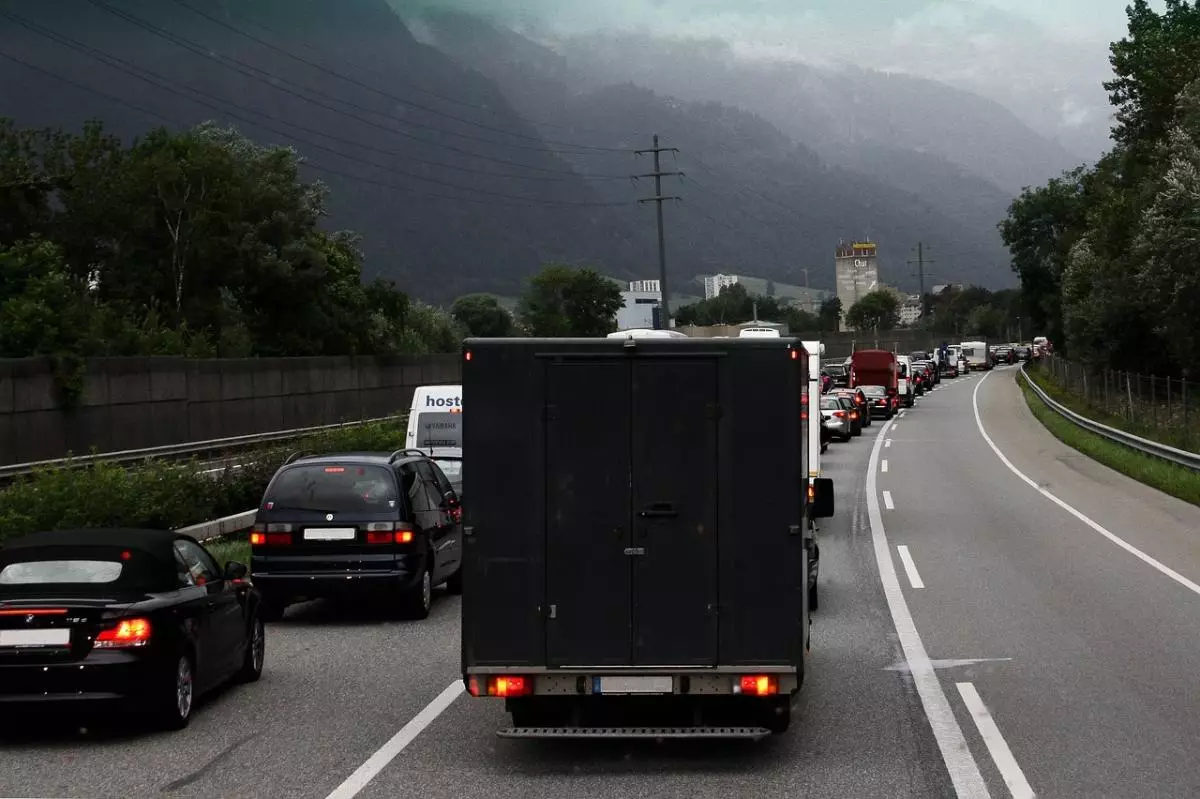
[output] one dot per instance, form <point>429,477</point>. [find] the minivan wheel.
<point>419,600</point>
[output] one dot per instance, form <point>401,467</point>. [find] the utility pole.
<point>920,262</point>
<point>659,199</point>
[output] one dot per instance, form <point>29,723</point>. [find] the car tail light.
<point>853,415</point>
<point>839,414</point>
<point>272,535</point>
<point>389,533</point>
<point>500,685</point>
<point>127,633</point>
<point>757,685</point>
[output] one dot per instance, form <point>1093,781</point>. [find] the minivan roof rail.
<point>295,456</point>
<point>405,453</point>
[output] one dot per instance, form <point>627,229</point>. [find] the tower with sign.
<point>856,269</point>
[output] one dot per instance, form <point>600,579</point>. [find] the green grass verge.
<point>1178,481</point>
<point>167,494</point>
<point>231,548</point>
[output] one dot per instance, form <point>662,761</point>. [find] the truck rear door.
<point>631,569</point>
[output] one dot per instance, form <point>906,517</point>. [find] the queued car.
<point>388,526</point>
<point>145,620</point>
<point>838,371</point>
<point>879,403</point>
<point>835,417</point>
<point>857,407</point>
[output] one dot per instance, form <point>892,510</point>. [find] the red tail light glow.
<point>500,686</point>
<point>127,633</point>
<point>839,414</point>
<point>759,685</point>
<point>33,612</point>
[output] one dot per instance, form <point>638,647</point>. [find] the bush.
<point>167,494</point>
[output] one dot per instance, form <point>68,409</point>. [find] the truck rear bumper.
<point>656,733</point>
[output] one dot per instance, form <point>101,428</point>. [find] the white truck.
<point>977,355</point>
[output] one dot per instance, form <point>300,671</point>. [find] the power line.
<point>420,192</point>
<point>368,87</point>
<point>165,83</point>
<point>280,84</point>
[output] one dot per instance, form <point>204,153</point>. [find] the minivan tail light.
<point>126,634</point>
<point>389,533</point>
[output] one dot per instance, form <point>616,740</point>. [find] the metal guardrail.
<point>1182,457</point>
<point>182,450</point>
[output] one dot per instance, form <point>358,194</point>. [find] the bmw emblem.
<point>29,619</point>
<point>328,517</point>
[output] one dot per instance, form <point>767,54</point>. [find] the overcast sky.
<point>1044,59</point>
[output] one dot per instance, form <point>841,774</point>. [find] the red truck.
<point>878,368</point>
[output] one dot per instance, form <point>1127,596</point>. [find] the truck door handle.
<point>659,510</point>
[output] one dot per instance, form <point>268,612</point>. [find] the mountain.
<point>467,165</point>
<point>941,200</point>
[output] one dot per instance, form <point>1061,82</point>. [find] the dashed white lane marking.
<point>887,500</point>
<point>1121,542</point>
<point>407,734</point>
<point>910,566</point>
<point>960,763</point>
<point>1009,769</point>
<point>883,465</point>
<point>887,443</point>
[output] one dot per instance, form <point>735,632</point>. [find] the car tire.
<point>175,697</point>
<point>778,719</point>
<point>813,596</point>
<point>455,584</point>
<point>418,601</point>
<point>256,652</point>
<point>847,437</point>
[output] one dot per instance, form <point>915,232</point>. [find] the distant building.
<point>856,269</point>
<point>910,309</point>
<point>653,286</point>
<point>714,283</point>
<point>638,310</point>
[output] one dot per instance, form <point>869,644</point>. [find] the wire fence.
<point>1164,409</point>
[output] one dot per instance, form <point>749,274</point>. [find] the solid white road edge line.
<point>910,566</point>
<point>1007,765</point>
<point>887,500</point>
<point>883,465</point>
<point>1122,543</point>
<point>387,753</point>
<point>964,771</point>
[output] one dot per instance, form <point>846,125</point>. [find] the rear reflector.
<point>757,685</point>
<point>127,633</point>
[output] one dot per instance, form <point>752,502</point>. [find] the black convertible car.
<point>141,617</point>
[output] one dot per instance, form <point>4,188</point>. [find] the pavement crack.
<point>188,779</point>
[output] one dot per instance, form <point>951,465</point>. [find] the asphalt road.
<point>1090,691</point>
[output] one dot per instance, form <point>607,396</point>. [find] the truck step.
<point>745,733</point>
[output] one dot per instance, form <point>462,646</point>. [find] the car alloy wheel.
<point>184,687</point>
<point>258,645</point>
<point>426,590</point>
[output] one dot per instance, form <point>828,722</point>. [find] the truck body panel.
<point>876,368</point>
<point>637,508</point>
<point>977,354</point>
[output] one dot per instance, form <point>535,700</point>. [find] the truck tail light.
<point>757,685</point>
<point>127,633</point>
<point>505,685</point>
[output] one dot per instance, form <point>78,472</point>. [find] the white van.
<point>435,418</point>
<point>904,386</point>
<point>815,350</point>
<point>759,332</point>
<point>643,332</point>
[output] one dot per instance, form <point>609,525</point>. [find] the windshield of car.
<point>439,429</point>
<point>333,488</point>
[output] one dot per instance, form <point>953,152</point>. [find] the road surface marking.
<point>952,663</point>
<point>964,771</point>
<point>387,753</point>
<point>887,500</point>
<point>883,465</point>
<point>902,414</point>
<point>1121,542</point>
<point>1014,778</point>
<point>887,443</point>
<point>910,566</point>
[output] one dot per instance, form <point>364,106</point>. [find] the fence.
<point>1164,409</point>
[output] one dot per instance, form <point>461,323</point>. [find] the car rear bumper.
<point>97,679</point>
<point>297,585</point>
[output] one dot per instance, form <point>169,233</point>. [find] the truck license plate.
<point>636,685</point>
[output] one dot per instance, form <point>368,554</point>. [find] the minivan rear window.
<point>438,429</point>
<point>333,488</point>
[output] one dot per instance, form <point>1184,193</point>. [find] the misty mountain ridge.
<point>467,166</point>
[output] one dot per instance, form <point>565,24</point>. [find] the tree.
<point>566,301</point>
<point>481,315</point>
<point>877,310</point>
<point>830,315</point>
<point>732,306</point>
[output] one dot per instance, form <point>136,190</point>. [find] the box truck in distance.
<point>636,553</point>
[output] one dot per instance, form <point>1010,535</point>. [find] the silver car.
<point>835,418</point>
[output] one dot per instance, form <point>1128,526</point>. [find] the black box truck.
<point>636,543</point>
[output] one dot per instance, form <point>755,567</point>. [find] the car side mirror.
<point>820,498</point>
<point>235,570</point>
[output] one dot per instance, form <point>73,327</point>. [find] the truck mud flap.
<point>742,733</point>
